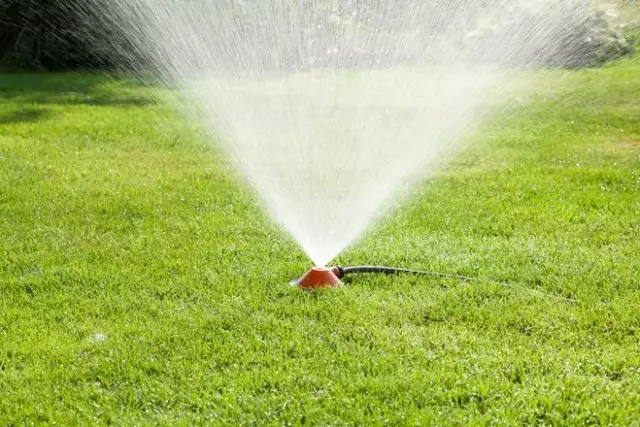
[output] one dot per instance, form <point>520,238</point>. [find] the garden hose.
<point>340,272</point>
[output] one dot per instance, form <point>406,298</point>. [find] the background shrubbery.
<point>55,34</point>
<point>581,38</point>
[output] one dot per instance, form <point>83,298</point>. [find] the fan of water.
<point>330,107</point>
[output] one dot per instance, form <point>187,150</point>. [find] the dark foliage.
<point>54,34</point>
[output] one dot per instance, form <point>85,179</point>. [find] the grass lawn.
<point>140,283</point>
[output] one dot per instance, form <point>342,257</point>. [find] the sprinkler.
<point>318,277</point>
<point>329,277</point>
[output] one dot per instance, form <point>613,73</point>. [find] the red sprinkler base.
<point>318,277</point>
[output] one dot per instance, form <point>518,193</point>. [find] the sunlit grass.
<point>141,283</point>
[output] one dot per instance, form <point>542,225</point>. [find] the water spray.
<point>381,85</point>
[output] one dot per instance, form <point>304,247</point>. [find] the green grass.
<point>141,284</point>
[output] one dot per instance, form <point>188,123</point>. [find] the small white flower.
<point>97,337</point>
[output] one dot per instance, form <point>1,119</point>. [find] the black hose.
<point>343,271</point>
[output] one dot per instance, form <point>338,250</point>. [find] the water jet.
<point>386,87</point>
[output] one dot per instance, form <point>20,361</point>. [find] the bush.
<point>578,38</point>
<point>53,34</point>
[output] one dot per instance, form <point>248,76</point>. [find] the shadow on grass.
<point>23,116</point>
<point>75,89</point>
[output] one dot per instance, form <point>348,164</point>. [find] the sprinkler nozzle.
<point>319,277</point>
